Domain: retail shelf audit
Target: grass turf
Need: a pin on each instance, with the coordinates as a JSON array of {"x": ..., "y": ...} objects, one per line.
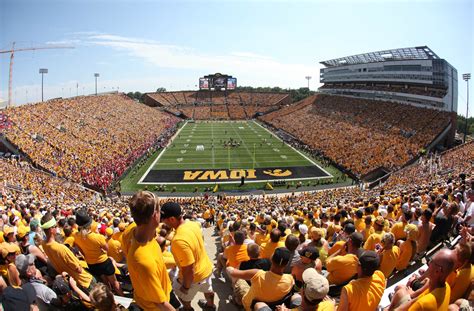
[{"x": 258, "y": 148}]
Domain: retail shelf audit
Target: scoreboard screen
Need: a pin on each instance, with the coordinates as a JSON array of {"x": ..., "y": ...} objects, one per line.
[
  {"x": 217, "y": 82},
  {"x": 203, "y": 83},
  {"x": 231, "y": 83}
]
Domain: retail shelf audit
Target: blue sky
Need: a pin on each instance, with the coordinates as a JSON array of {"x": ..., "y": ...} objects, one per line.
[{"x": 142, "y": 45}]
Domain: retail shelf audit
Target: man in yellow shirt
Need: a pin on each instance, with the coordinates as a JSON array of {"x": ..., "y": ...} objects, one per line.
[
  {"x": 388, "y": 254},
  {"x": 150, "y": 280},
  {"x": 274, "y": 243},
  {"x": 460, "y": 279},
  {"x": 436, "y": 296},
  {"x": 398, "y": 229},
  {"x": 266, "y": 286},
  {"x": 366, "y": 291},
  {"x": 375, "y": 237},
  {"x": 195, "y": 267},
  {"x": 237, "y": 253},
  {"x": 61, "y": 257},
  {"x": 313, "y": 294},
  {"x": 343, "y": 268}
]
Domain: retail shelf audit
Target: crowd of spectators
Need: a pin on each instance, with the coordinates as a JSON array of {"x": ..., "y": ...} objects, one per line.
[
  {"x": 65, "y": 247},
  {"x": 360, "y": 135},
  {"x": 91, "y": 139},
  {"x": 233, "y": 105}
]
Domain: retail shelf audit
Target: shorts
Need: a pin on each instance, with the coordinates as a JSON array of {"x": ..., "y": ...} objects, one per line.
[
  {"x": 205, "y": 286},
  {"x": 104, "y": 268},
  {"x": 241, "y": 287}
]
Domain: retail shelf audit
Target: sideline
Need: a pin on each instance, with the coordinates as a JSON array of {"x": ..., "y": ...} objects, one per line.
[{"x": 140, "y": 182}]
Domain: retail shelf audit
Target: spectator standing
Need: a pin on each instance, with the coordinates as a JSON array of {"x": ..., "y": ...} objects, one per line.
[
  {"x": 150, "y": 280},
  {"x": 195, "y": 267}
]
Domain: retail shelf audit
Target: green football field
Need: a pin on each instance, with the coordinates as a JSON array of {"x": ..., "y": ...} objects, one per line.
[{"x": 224, "y": 152}]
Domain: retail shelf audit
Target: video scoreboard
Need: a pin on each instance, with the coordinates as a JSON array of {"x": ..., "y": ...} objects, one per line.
[{"x": 217, "y": 82}]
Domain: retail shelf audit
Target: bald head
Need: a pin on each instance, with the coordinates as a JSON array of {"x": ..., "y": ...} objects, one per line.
[{"x": 443, "y": 262}]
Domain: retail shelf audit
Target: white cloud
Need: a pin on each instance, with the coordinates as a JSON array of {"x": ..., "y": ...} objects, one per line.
[{"x": 253, "y": 67}]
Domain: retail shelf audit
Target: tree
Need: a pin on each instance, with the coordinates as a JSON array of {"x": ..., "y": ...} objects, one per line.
[
  {"x": 461, "y": 125},
  {"x": 161, "y": 90}
]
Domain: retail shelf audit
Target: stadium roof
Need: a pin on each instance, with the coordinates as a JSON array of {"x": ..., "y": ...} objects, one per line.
[{"x": 419, "y": 52}]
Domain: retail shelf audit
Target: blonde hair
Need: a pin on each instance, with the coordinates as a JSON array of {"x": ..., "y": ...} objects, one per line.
[{"x": 102, "y": 298}]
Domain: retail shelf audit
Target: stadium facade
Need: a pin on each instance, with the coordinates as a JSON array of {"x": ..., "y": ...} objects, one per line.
[{"x": 414, "y": 75}]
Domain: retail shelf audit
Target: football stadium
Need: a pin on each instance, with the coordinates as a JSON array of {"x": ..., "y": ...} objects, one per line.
[{"x": 356, "y": 196}]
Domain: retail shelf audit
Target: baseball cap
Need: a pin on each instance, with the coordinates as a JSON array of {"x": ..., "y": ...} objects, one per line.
[
  {"x": 412, "y": 232},
  {"x": 316, "y": 286},
  {"x": 309, "y": 252},
  {"x": 23, "y": 261},
  {"x": 9, "y": 248},
  {"x": 369, "y": 262},
  {"x": 109, "y": 231},
  {"x": 379, "y": 220},
  {"x": 170, "y": 209},
  {"x": 82, "y": 218},
  {"x": 22, "y": 231},
  {"x": 303, "y": 229},
  {"x": 281, "y": 256},
  {"x": 7, "y": 230}
]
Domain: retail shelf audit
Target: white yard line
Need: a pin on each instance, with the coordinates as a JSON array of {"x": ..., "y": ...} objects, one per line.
[
  {"x": 140, "y": 182},
  {"x": 302, "y": 154}
]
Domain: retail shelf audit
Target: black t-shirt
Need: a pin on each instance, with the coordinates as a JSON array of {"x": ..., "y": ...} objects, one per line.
[{"x": 261, "y": 263}]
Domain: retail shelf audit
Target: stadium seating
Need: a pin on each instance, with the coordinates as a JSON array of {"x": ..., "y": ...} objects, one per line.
[
  {"x": 361, "y": 135},
  {"x": 87, "y": 139},
  {"x": 232, "y": 105}
]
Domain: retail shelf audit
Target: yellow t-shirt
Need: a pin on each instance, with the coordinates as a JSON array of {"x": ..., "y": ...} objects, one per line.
[
  {"x": 69, "y": 241},
  {"x": 269, "y": 247},
  {"x": 92, "y": 247},
  {"x": 337, "y": 246},
  {"x": 406, "y": 250},
  {"x": 389, "y": 260},
  {"x": 359, "y": 225},
  {"x": 438, "y": 299},
  {"x": 115, "y": 250},
  {"x": 267, "y": 287},
  {"x": 236, "y": 254},
  {"x": 367, "y": 232},
  {"x": 127, "y": 237},
  {"x": 63, "y": 260},
  {"x": 372, "y": 240},
  {"x": 365, "y": 293},
  {"x": 261, "y": 238},
  {"x": 398, "y": 231},
  {"x": 148, "y": 273},
  {"x": 187, "y": 248},
  {"x": 341, "y": 268},
  {"x": 459, "y": 282},
  {"x": 169, "y": 260}
]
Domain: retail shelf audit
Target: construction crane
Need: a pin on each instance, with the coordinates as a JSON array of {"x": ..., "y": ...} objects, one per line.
[{"x": 12, "y": 56}]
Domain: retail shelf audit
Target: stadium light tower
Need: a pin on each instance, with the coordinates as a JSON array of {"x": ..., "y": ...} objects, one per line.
[
  {"x": 96, "y": 75},
  {"x": 308, "y": 78},
  {"x": 466, "y": 78},
  {"x": 42, "y": 71}
]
